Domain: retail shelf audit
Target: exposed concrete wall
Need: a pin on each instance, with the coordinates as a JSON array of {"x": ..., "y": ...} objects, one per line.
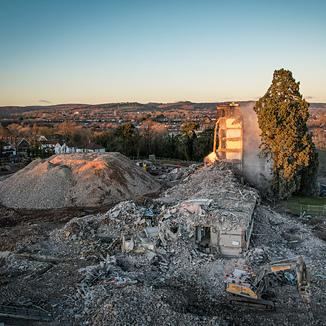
[
  {"x": 233, "y": 156},
  {"x": 231, "y": 144},
  {"x": 230, "y": 243},
  {"x": 234, "y": 133},
  {"x": 214, "y": 237},
  {"x": 230, "y": 124}
]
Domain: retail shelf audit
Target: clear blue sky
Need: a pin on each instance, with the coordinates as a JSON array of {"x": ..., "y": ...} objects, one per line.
[{"x": 67, "y": 51}]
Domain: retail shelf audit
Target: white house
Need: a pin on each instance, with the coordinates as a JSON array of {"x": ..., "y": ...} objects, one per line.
[
  {"x": 64, "y": 148},
  {"x": 8, "y": 148}
]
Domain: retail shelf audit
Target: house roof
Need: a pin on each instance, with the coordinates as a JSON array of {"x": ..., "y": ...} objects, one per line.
[
  {"x": 48, "y": 142},
  {"x": 54, "y": 136},
  {"x": 60, "y": 142},
  {"x": 14, "y": 140},
  {"x": 94, "y": 146},
  {"x": 22, "y": 141}
]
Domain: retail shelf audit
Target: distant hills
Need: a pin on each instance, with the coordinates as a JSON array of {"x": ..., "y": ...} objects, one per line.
[{"x": 13, "y": 112}]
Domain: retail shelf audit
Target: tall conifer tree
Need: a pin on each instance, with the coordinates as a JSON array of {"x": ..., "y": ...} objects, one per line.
[{"x": 285, "y": 139}]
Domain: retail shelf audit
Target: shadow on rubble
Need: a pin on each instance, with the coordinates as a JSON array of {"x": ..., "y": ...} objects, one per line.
[
  {"x": 188, "y": 296},
  {"x": 318, "y": 225},
  {"x": 12, "y": 217}
]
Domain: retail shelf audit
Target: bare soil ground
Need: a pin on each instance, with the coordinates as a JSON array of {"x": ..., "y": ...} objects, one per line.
[{"x": 19, "y": 226}]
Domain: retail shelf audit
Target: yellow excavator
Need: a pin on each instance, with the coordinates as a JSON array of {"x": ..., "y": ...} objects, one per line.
[{"x": 251, "y": 290}]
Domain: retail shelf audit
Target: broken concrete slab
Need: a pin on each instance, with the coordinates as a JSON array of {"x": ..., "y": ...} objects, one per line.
[{"x": 151, "y": 232}]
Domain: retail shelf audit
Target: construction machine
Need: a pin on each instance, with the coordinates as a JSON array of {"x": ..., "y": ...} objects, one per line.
[{"x": 253, "y": 289}]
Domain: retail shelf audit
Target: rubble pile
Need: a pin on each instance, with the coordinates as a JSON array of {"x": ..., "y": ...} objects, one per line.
[
  {"x": 213, "y": 192},
  {"x": 106, "y": 230},
  {"x": 135, "y": 292},
  {"x": 139, "y": 263},
  {"x": 77, "y": 179},
  {"x": 173, "y": 177},
  {"x": 216, "y": 176},
  {"x": 213, "y": 199},
  {"x": 280, "y": 236}
]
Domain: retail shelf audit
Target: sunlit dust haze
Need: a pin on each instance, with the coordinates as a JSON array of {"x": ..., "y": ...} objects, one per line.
[
  {"x": 157, "y": 51},
  {"x": 257, "y": 168}
]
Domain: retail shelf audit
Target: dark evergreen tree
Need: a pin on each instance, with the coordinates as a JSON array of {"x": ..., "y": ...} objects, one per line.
[
  {"x": 188, "y": 135},
  {"x": 203, "y": 144},
  {"x": 285, "y": 139},
  {"x": 128, "y": 139},
  {"x": 171, "y": 148}
]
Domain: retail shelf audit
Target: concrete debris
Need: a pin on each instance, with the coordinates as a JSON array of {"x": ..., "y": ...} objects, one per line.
[
  {"x": 172, "y": 178},
  {"x": 151, "y": 232},
  {"x": 162, "y": 261}
]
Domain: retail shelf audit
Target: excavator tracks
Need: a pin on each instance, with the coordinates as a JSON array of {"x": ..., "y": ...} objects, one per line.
[{"x": 255, "y": 304}]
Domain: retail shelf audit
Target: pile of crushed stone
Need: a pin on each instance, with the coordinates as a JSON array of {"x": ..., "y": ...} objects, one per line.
[{"x": 77, "y": 179}]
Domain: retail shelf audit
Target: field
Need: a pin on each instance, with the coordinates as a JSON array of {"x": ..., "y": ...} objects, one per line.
[{"x": 308, "y": 205}]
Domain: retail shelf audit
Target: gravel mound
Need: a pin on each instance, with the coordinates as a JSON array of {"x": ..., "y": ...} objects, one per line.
[{"x": 77, "y": 179}]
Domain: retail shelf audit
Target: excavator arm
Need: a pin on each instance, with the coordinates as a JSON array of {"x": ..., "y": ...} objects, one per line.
[
  {"x": 253, "y": 287},
  {"x": 280, "y": 272}
]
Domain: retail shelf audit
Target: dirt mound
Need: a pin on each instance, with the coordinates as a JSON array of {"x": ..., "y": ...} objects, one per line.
[{"x": 78, "y": 179}]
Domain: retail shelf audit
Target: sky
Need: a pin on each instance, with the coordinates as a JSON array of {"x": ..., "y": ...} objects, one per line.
[{"x": 96, "y": 51}]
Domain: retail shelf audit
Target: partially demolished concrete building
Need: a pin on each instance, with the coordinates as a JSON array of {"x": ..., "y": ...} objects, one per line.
[
  {"x": 222, "y": 227},
  {"x": 212, "y": 210},
  {"x": 238, "y": 143},
  {"x": 230, "y": 134}
]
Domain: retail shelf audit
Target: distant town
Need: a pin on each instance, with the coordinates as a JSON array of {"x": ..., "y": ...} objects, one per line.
[
  {"x": 111, "y": 116},
  {"x": 135, "y": 129}
]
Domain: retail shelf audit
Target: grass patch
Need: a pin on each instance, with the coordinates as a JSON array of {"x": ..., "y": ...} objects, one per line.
[
  {"x": 307, "y": 200},
  {"x": 298, "y": 205}
]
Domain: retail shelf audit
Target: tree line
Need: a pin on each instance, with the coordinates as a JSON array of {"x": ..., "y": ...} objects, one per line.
[{"x": 151, "y": 138}]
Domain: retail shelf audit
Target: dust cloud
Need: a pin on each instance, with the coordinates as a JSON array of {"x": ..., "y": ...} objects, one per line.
[{"x": 256, "y": 169}]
